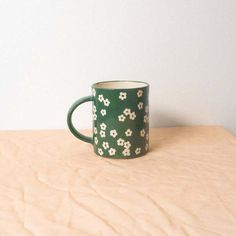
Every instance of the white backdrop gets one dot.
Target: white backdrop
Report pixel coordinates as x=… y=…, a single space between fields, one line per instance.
x=51 y=51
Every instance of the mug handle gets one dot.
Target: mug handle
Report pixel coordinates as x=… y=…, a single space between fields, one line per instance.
x=73 y=130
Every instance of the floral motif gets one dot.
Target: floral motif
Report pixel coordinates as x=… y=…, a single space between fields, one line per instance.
x=126 y=152
x=147 y=136
x=100 y=151
x=132 y=115
x=100 y=98
x=121 y=118
x=94 y=92
x=112 y=151
x=102 y=134
x=94 y=108
x=96 y=140
x=142 y=133
x=120 y=142
x=128 y=132
x=137 y=151
x=113 y=133
x=140 y=105
x=105 y=145
x=94 y=116
x=127 y=144
x=123 y=95
x=145 y=119
x=103 y=112
x=95 y=130
x=106 y=102
x=140 y=93
x=146 y=146
x=103 y=126
x=126 y=111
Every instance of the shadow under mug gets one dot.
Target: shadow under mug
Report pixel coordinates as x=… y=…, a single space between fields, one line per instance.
x=120 y=114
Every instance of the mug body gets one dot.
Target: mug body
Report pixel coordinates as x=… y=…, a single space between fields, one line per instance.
x=120 y=119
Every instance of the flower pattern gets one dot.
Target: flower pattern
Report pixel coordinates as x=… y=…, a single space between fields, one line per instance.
x=115 y=141
x=140 y=93
x=128 y=132
x=142 y=133
x=100 y=98
x=122 y=95
x=105 y=145
x=94 y=92
x=137 y=151
x=145 y=119
x=127 y=111
x=140 y=105
x=103 y=112
x=113 y=133
x=121 y=118
x=100 y=151
x=106 y=102
x=127 y=144
x=120 y=142
x=95 y=130
x=112 y=151
x=132 y=115
x=102 y=134
x=126 y=152
x=103 y=126
x=96 y=140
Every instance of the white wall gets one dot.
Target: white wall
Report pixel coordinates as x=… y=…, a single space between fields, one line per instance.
x=51 y=51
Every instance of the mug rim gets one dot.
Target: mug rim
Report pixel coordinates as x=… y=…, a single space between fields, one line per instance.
x=144 y=84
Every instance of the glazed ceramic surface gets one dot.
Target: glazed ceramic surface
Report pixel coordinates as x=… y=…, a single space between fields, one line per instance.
x=120 y=114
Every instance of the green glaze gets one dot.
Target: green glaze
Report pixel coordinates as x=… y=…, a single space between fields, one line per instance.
x=120 y=121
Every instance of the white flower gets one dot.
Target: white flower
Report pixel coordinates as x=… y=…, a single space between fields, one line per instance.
x=120 y=142
x=94 y=109
x=113 y=133
x=94 y=92
x=96 y=140
x=100 y=151
x=146 y=146
x=128 y=132
x=123 y=95
x=105 y=145
x=95 y=130
x=146 y=109
x=103 y=126
x=121 y=118
x=94 y=116
x=112 y=151
x=132 y=115
x=145 y=119
x=140 y=93
x=137 y=151
x=126 y=152
x=127 y=145
x=106 y=102
x=126 y=111
x=102 y=134
x=142 y=133
x=103 y=112
x=140 y=105
x=100 y=98
x=147 y=136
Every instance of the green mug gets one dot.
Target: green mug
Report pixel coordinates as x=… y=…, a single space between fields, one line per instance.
x=120 y=119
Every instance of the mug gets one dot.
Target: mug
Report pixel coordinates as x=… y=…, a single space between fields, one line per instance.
x=120 y=114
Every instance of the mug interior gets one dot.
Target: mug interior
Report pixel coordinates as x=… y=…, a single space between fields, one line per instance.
x=120 y=84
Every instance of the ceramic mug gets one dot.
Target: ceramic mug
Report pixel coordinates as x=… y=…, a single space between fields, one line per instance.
x=120 y=114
